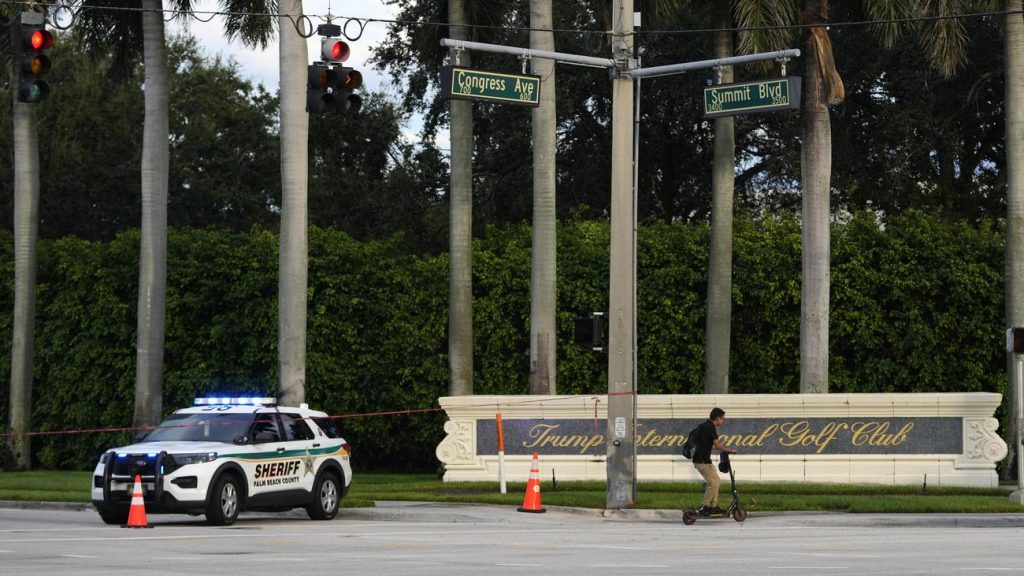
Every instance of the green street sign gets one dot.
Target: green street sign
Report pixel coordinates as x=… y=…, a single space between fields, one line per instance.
x=752 y=97
x=472 y=84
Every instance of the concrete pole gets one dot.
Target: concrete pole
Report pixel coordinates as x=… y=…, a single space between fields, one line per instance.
x=622 y=281
x=1018 y=411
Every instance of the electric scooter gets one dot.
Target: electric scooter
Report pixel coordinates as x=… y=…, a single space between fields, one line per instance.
x=735 y=509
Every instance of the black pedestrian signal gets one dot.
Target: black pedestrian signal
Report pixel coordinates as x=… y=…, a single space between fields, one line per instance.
x=31 y=63
x=589 y=331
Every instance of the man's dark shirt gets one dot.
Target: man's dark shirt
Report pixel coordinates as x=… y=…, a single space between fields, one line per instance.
x=703 y=439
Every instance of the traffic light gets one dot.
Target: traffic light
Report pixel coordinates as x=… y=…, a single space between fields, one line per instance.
x=331 y=85
x=320 y=90
x=31 y=63
x=345 y=101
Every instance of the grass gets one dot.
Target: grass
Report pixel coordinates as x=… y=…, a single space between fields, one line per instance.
x=60 y=486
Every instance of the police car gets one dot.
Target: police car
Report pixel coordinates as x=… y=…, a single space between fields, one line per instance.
x=225 y=455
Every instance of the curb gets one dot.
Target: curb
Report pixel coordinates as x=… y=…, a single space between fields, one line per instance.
x=40 y=505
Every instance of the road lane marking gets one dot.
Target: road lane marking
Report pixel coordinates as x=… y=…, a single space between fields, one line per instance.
x=628 y=566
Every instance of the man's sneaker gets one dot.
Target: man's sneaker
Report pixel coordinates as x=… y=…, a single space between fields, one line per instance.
x=716 y=511
x=704 y=511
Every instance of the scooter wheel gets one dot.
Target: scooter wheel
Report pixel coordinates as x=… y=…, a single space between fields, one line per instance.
x=739 y=514
x=689 y=517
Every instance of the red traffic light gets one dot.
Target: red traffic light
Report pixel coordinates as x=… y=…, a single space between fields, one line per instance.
x=335 y=50
x=40 y=40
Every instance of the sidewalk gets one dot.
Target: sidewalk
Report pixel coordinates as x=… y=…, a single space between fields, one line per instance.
x=402 y=511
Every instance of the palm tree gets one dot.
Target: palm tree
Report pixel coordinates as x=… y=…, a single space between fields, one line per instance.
x=719 y=315
x=822 y=88
x=26 y=226
x=108 y=23
x=294 y=256
x=152 y=304
x=460 y=283
x=543 y=337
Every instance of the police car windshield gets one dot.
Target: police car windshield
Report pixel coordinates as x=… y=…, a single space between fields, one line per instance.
x=204 y=427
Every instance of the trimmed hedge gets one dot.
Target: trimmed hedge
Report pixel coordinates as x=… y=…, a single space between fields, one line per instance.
x=917 y=305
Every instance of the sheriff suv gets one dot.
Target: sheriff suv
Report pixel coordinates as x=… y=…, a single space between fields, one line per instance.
x=226 y=455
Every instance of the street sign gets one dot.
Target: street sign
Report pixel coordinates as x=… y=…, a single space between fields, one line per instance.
x=752 y=97
x=473 y=84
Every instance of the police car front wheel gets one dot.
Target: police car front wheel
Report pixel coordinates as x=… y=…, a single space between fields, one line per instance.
x=326 y=497
x=224 y=501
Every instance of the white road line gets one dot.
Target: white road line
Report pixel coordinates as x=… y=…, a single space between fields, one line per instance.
x=628 y=566
x=601 y=546
x=808 y=567
x=76 y=556
x=829 y=555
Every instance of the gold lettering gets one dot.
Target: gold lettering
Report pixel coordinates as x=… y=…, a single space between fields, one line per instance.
x=766 y=433
x=544 y=435
x=794 y=432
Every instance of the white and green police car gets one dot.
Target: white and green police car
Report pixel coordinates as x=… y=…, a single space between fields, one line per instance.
x=226 y=455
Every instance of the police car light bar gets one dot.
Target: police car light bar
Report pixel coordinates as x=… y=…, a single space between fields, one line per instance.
x=242 y=401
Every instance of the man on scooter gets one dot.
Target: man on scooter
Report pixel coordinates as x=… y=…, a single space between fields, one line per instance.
x=706 y=438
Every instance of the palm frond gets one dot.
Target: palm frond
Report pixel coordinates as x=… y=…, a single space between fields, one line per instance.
x=249 y=21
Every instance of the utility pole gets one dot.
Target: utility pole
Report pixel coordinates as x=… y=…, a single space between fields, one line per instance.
x=620 y=492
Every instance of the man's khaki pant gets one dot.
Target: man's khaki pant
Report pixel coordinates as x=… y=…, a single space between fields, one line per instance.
x=710 y=474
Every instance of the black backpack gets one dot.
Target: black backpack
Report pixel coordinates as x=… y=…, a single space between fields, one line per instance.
x=689 y=446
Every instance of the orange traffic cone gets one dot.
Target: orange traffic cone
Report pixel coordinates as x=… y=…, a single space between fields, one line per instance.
x=137 y=513
x=531 y=503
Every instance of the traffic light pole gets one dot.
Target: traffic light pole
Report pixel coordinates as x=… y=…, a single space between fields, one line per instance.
x=622 y=392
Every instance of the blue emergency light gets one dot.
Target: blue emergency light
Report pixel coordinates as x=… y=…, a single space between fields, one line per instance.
x=241 y=401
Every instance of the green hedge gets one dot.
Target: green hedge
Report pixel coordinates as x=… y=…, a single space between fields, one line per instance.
x=917 y=305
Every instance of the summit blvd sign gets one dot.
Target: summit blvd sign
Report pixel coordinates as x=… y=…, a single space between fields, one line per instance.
x=752 y=97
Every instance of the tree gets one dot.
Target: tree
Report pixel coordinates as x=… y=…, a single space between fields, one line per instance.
x=719 y=317
x=249 y=21
x=822 y=87
x=26 y=232
x=543 y=336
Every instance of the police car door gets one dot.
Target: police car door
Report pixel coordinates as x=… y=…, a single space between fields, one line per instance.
x=301 y=442
x=270 y=468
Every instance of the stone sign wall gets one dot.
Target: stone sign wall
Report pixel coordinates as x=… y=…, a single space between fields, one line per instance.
x=940 y=439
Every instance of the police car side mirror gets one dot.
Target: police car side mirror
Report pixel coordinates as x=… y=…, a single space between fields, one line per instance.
x=140 y=436
x=241 y=439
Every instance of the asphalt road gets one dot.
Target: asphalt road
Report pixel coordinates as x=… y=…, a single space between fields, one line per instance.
x=446 y=539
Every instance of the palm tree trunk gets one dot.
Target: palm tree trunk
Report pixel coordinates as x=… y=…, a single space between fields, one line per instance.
x=460 y=282
x=816 y=168
x=544 y=255
x=26 y=232
x=1014 y=276
x=719 y=318
x=153 y=249
x=294 y=256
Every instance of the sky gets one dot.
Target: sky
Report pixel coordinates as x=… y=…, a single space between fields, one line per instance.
x=261 y=66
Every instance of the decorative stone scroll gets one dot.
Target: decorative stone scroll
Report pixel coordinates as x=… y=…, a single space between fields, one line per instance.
x=938 y=439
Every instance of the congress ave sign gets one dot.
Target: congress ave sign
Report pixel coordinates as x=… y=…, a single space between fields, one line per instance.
x=472 y=84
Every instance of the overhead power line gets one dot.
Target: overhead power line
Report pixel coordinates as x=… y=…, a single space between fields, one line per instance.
x=303 y=22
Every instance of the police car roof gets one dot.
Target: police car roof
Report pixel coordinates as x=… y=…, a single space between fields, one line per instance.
x=246 y=409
